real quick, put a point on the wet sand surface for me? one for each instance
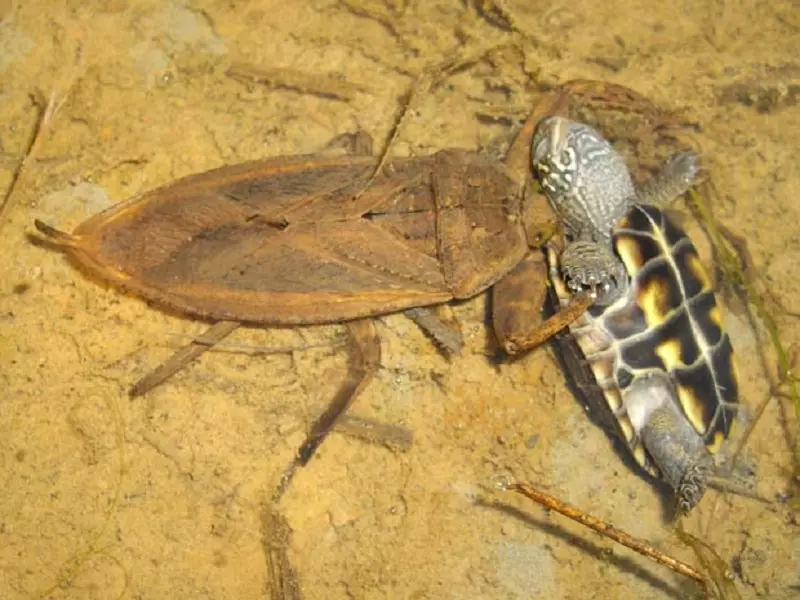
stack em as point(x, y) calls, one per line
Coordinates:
point(164, 496)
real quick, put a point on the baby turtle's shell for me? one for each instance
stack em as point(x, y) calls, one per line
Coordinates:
point(667, 322)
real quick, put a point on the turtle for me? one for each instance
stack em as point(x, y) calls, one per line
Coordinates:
point(653, 340)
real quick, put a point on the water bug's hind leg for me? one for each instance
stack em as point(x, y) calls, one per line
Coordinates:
point(365, 356)
point(364, 348)
point(441, 325)
point(182, 357)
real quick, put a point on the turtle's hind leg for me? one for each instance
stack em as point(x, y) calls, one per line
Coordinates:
point(676, 448)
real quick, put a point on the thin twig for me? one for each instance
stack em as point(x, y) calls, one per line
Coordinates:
point(45, 116)
point(609, 531)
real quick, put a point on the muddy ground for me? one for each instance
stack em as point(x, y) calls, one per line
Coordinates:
point(163, 497)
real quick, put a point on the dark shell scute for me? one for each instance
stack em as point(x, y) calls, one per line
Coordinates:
point(641, 218)
point(699, 381)
point(623, 323)
point(687, 262)
point(673, 234)
point(641, 354)
point(703, 308)
point(722, 423)
point(624, 377)
point(637, 249)
point(679, 328)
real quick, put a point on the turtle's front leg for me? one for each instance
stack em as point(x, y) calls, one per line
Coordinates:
point(517, 303)
point(589, 266)
point(673, 180)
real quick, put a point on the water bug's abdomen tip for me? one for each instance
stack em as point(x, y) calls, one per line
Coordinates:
point(54, 235)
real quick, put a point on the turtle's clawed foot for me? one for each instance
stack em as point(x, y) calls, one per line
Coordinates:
point(675, 178)
point(691, 488)
point(588, 265)
point(685, 168)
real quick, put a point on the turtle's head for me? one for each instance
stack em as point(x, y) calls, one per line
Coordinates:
point(585, 179)
point(553, 158)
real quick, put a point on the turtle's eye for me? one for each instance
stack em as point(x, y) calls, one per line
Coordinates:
point(567, 158)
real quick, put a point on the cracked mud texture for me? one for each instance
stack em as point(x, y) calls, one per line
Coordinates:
point(147, 100)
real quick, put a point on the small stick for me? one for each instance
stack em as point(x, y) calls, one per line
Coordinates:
point(609, 531)
point(254, 349)
point(394, 437)
point(323, 86)
point(46, 114)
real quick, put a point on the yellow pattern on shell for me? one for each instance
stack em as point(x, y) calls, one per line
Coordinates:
point(653, 298)
point(614, 399)
point(693, 407)
point(669, 351)
point(716, 442)
point(603, 368)
point(630, 252)
point(715, 316)
point(641, 458)
point(627, 428)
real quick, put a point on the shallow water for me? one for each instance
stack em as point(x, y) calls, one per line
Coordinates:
point(164, 496)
